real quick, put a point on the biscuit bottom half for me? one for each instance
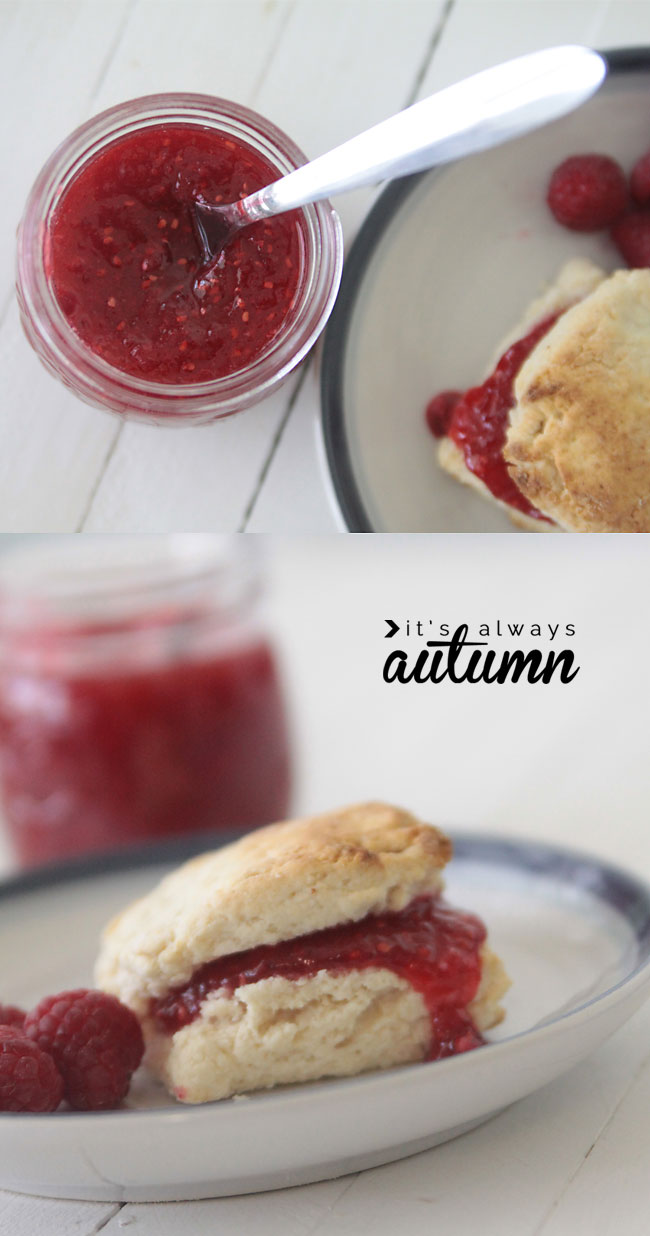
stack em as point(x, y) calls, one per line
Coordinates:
point(280, 1031)
point(239, 1026)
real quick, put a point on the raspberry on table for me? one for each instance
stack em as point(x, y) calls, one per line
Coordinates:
point(631, 235)
point(640, 180)
point(11, 1015)
point(95, 1041)
point(29, 1078)
point(587, 192)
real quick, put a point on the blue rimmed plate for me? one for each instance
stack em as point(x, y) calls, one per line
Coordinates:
point(442, 269)
point(573, 932)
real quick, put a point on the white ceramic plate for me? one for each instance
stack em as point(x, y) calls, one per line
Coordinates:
point(574, 935)
point(442, 269)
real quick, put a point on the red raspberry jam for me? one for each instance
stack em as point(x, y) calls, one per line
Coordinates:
point(100, 759)
point(434, 947)
point(123, 256)
point(478, 421)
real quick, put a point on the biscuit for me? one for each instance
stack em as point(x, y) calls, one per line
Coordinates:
point(282, 882)
point(576, 280)
point(578, 445)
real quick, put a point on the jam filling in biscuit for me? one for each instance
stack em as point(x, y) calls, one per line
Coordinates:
point(477, 421)
point(433, 946)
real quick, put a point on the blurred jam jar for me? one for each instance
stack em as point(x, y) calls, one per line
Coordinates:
point(108, 259)
point(139, 694)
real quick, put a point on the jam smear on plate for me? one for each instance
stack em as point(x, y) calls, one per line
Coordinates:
point(433, 946)
point(123, 256)
point(477, 421)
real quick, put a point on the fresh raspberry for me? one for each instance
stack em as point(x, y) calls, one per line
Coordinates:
point(631, 235)
point(29, 1078)
point(11, 1032)
point(95, 1041)
point(440, 410)
point(10, 1015)
point(587, 192)
point(640, 180)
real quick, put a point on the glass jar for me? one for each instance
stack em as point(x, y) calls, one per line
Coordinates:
point(139, 694)
point(71, 360)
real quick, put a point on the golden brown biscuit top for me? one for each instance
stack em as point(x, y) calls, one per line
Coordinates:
point(278, 882)
point(578, 445)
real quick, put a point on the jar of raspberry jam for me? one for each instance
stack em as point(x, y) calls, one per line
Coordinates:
point(108, 260)
point(139, 694)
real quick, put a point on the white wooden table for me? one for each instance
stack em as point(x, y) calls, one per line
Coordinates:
point(567, 764)
point(322, 70)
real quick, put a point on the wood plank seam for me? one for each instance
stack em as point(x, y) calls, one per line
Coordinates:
point(274, 444)
point(432, 47)
point(105, 1220)
point(99, 477)
point(325, 1218)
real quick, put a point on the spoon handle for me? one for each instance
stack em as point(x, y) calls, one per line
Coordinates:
point(482, 111)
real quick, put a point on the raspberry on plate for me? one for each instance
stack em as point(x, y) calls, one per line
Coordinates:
point(640, 180)
point(29, 1078)
point(11, 1015)
point(587, 192)
point(96, 1042)
point(631, 235)
point(440, 411)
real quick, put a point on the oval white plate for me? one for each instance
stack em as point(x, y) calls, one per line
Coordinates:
point(442, 269)
point(574, 935)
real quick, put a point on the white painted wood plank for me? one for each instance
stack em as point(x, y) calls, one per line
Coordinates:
point(40, 1216)
point(333, 69)
point(349, 64)
point(51, 447)
point(480, 33)
point(288, 1212)
point(206, 46)
point(297, 495)
point(51, 58)
point(185, 480)
point(611, 1191)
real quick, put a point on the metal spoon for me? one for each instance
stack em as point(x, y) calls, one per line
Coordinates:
point(484, 110)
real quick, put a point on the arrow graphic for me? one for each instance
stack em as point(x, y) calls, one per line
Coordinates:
point(393, 628)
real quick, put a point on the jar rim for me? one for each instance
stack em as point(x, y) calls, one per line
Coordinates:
point(110, 579)
point(90, 376)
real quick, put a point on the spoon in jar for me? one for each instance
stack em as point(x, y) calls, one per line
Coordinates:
point(484, 110)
